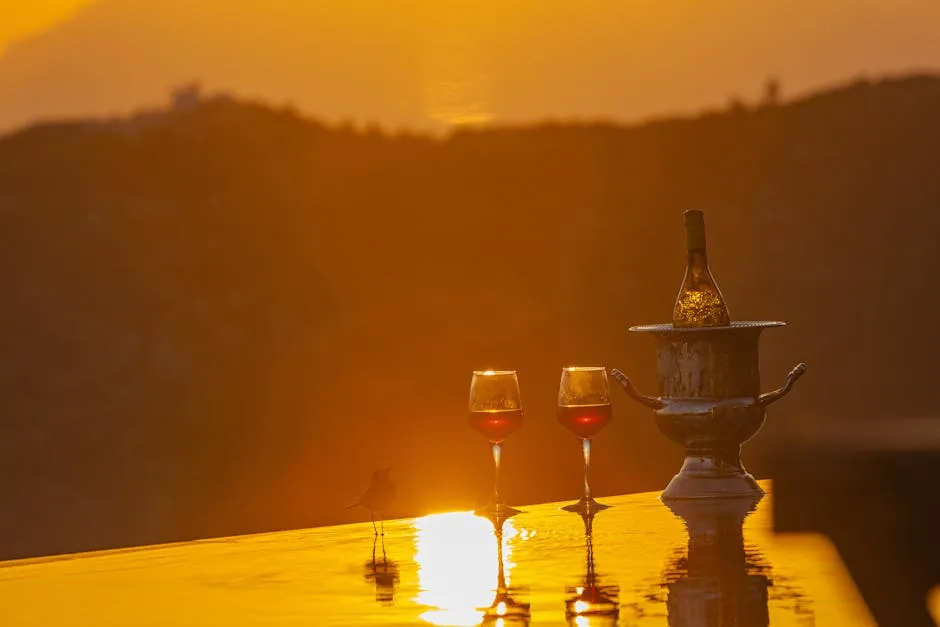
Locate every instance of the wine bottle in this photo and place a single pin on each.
(699, 302)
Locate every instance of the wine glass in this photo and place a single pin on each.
(584, 409)
(496, 412)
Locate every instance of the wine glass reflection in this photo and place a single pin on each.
(382, 572)
(504, 610)
(591, 603)
(718, 581)
(457, 571)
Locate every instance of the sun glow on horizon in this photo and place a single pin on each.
(456, 84)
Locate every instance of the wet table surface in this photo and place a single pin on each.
(649, 567)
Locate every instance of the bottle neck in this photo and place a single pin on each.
(695, 239)
(696, 266)
(697, 257)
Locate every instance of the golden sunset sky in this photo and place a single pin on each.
(21, 18)
(421, 63)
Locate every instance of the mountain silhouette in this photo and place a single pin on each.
(424, 64)
(220, 317)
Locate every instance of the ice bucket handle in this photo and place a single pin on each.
(769, 397)
(649, 401)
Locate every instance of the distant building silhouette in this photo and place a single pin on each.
(771, 96)
(186, 97)
(183, 99)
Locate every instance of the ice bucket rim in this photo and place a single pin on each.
(737, 324)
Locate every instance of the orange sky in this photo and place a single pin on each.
(421, 63)
(22, 18)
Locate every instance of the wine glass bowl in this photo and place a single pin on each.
(495, 411)
(584, 400)
(495, 404)
(584, 409)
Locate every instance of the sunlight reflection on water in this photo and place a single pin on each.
(457, 561)
(645, 567)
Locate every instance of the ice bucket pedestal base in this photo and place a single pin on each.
(704, 477)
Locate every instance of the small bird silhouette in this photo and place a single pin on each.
(378, 496)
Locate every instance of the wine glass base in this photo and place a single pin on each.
(497, 512)
(586, 506)
(507, 612)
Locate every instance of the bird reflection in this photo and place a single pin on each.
(504, 610)
(718, 581)
(591, 603)
(383, 573)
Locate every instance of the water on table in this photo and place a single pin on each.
(443, 569)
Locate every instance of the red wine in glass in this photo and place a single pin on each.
(496, 425)
(585, 421)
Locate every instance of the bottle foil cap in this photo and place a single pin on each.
(693, 217)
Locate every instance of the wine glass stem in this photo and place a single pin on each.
(586, 447)
(590, 559)
(496, 457)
